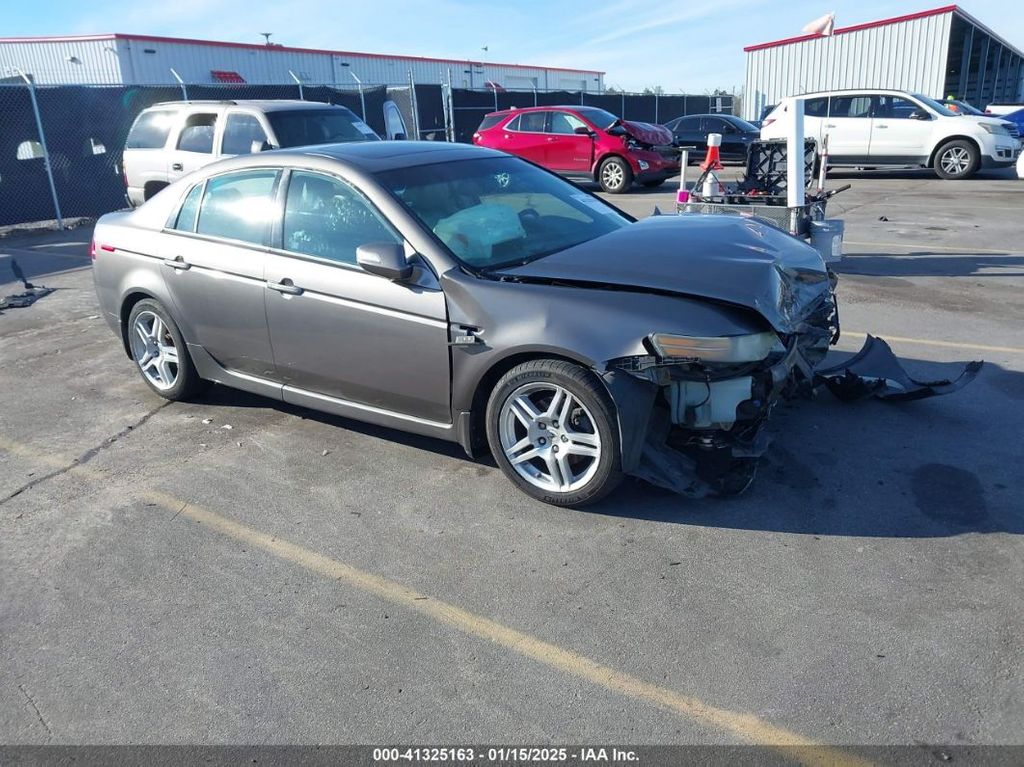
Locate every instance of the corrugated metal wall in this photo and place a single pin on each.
(144, 62)
(907, 55)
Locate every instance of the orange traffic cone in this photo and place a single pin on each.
(712, 160)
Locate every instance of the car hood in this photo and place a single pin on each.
(722, 258)
(655, 135)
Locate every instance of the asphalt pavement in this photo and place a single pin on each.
(235, 570)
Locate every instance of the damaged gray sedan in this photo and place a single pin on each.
(460, 293)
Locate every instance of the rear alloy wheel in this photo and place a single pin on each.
(615, 176)
(957, 159)
(159, 351)
(552, 429)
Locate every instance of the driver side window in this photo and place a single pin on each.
(327, 218)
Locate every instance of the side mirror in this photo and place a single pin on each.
(386, 259)
(260, 146)
(583, 130)
(920, 114)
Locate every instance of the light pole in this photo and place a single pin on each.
(359, 83)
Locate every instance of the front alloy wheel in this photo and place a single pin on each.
(615, 175)
(552, 429)
(956, 160)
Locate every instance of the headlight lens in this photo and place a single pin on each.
(748, 348)
(995, 128)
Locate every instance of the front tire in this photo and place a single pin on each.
(614, 175)
(160, 352)
(552, 429)
(957, 160)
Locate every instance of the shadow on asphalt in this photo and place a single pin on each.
(868, 469)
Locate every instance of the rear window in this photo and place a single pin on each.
(490, 121)
(816, 107)
(150, 130)
(319, 126)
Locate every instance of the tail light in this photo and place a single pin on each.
(767, 121)
(92, 249)
(476, 138)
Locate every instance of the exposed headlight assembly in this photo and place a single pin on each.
(995, 128)
(748, 348)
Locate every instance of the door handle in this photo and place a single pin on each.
(178, 263)
(881, 126)
(551, 138)
(830, 125)
(285, 286)
(177, 166)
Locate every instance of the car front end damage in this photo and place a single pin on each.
(697, 407)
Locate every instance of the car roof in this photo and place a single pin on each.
(544, 108)
(841, 91)
(265, 105)
(377, 156)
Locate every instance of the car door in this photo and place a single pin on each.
(900, 131)
(686, 132)
(341, 332)
(526, 136)
(566, 150)
(214, 267)
(194, 146)
(848, 127)
(241, 129)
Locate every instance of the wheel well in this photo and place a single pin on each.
(126, 309)
(484, 387)
(152, 187)
(948, 139)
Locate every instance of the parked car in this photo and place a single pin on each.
(171, 139)
(889, 128)
(584, 143)
(962, 107)
(1016, 118)
(457, 292)
(1003, 109)
(693, 130)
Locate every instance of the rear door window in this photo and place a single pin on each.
(150, 131)
(327, 218)
(197, 135)
(239, 206)
(532, 122)
(855, 106)
(240, 131)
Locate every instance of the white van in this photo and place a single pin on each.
(889, 128)
(173, 138)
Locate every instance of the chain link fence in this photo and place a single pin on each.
(61, 145)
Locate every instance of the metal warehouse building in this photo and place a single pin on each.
(938, 53)
(119, 59)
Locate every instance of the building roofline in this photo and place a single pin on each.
(282, 48)
(858, 27)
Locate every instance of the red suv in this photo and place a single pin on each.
(584, 142)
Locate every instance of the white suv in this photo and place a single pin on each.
(889, 128)
(171, 139)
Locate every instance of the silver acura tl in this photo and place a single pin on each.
(456, 292)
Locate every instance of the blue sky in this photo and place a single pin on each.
(684, 46)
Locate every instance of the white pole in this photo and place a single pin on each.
(795, 156)
(42, 143)
(298, 82)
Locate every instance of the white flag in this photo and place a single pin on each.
(822, 26)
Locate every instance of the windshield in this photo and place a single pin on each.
(499, 212)
(933, 104)
(598, 117)
(305, 127)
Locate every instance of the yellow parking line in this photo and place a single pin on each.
(746, 726)
(962, 249)
(942, 344)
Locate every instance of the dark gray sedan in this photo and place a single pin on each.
(460, 293)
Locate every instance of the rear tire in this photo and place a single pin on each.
(552, 429)
(160, 353)
(957, 160)
(614, 175)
